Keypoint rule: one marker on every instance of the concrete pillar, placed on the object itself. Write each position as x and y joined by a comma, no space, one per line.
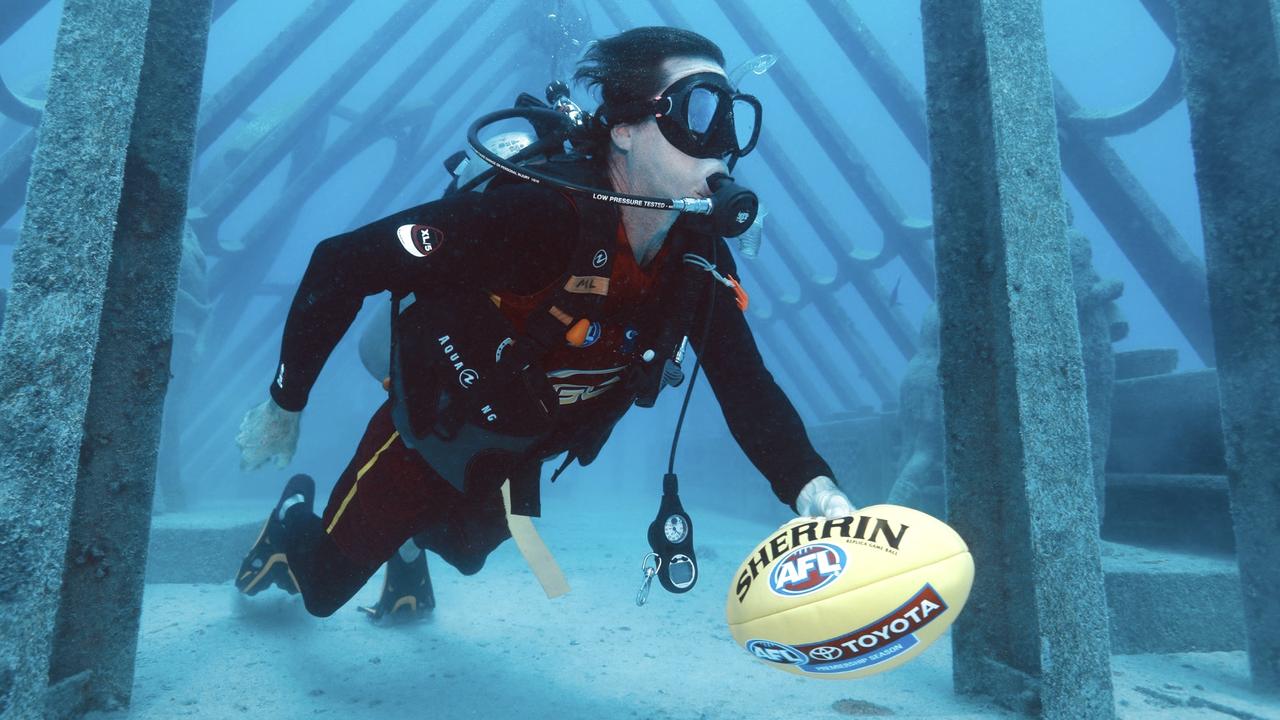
85,349
1231,68
1035,631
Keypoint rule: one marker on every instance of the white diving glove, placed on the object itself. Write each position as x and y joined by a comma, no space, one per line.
821,497
268,433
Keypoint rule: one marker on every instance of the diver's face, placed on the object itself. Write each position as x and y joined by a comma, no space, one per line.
654,166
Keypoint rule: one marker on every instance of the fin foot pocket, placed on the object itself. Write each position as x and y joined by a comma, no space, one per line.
407,594
265,564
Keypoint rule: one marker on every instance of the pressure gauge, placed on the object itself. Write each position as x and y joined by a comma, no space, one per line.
675,528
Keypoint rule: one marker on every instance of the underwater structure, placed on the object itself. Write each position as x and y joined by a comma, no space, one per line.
1015,420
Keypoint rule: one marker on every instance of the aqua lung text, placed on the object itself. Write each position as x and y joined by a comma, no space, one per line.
466,376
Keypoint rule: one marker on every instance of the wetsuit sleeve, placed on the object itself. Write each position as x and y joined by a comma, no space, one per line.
514,238
760,416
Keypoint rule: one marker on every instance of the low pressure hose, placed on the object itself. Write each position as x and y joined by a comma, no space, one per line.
732,207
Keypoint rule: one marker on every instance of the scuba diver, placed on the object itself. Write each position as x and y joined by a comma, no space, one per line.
526,319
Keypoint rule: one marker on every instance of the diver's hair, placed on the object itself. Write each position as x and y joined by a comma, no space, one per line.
628,67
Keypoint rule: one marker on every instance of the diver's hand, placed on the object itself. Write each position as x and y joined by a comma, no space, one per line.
820,497
268,432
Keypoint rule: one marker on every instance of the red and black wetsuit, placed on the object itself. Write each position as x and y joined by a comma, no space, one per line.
512,242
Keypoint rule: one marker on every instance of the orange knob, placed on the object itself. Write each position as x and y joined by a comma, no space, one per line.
577,335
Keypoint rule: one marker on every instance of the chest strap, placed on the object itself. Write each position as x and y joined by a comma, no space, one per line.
567,314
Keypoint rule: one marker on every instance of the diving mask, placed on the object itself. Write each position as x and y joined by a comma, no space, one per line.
701,115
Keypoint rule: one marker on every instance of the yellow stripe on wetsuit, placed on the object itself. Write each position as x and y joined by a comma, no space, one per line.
352,492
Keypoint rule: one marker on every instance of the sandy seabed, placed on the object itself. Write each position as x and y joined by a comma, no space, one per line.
496,647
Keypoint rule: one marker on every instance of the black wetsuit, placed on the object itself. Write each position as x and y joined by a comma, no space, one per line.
512,242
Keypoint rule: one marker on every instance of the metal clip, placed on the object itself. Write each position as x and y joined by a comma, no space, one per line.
642,595
705,264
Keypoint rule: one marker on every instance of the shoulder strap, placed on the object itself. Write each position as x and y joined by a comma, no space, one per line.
579,295
684,287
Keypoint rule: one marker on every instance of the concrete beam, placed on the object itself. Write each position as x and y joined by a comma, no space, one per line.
1018,468
1231,65
85,348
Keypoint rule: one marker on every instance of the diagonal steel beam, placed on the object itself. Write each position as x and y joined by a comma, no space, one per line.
237,278
845,332
826,129
16,14
1144,233
220,7
204,428
1166,19
770,328
830,372
243,264
826,228
874,65
220,110
15,169
859,273
448,134
19,109
821,294
241,181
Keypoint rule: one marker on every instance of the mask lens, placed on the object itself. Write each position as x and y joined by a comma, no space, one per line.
702,110
745,122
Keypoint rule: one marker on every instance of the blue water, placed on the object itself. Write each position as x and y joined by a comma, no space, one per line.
1108,54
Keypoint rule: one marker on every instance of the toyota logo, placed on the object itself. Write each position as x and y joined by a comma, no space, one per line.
826,652
468,377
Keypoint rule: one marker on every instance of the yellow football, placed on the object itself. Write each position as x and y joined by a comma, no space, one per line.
849,597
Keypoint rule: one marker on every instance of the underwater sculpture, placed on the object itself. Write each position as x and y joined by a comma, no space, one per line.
1100,325
920,481
190,313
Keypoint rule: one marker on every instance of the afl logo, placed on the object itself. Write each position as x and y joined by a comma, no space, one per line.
600,259
775,652
467,377
419,240
806,569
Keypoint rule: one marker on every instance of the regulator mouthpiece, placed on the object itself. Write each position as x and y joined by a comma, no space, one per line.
733,207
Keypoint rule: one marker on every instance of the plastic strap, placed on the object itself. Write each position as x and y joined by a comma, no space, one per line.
535,552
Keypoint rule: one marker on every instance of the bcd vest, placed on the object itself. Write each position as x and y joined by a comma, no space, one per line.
468,391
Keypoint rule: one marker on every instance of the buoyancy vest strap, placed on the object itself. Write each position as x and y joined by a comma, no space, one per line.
568,458
682,291
535,552
582,289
